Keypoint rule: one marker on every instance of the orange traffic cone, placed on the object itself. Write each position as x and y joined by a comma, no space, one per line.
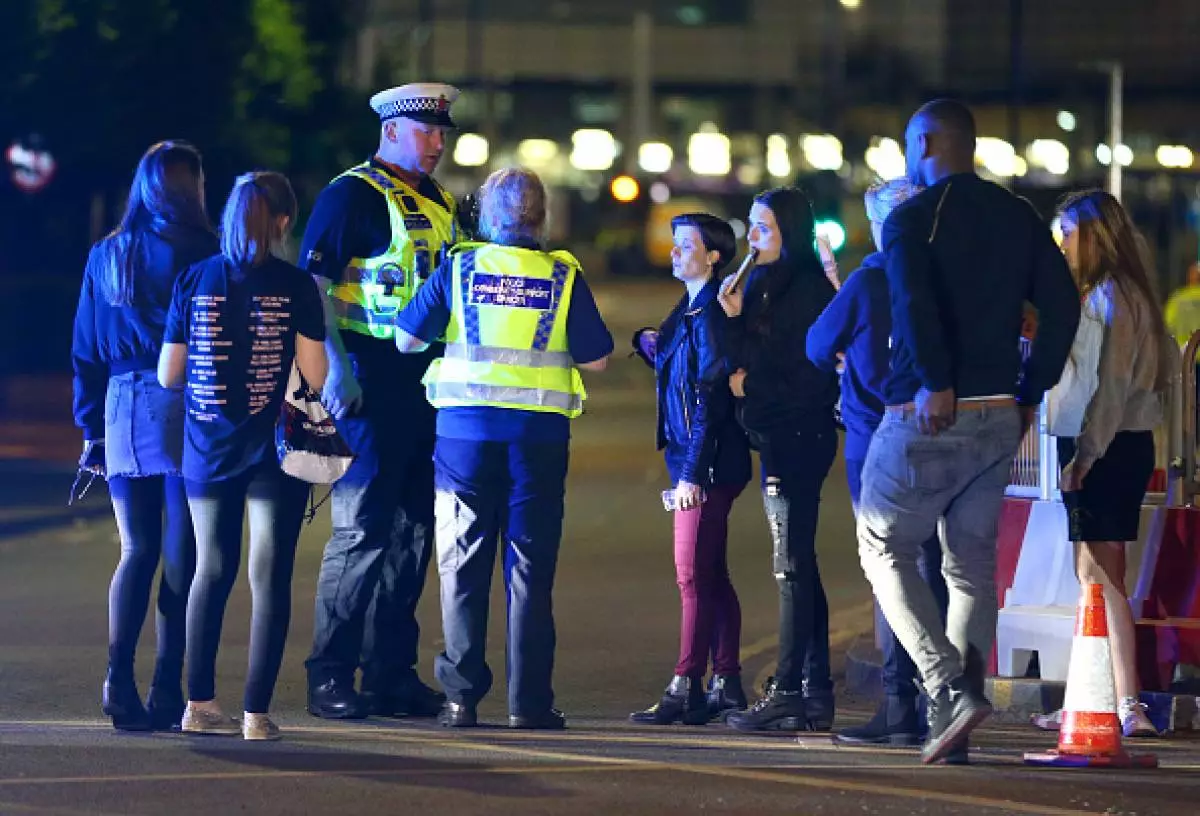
1090,736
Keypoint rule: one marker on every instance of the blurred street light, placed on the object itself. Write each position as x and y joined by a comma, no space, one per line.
625,189
885,158
708,151
999,157
1174,156
1066,120
1051,155
471,150
655,157
822,151
593,149
537,152
779,164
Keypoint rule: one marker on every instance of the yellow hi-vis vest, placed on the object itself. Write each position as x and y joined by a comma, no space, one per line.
506,343
372,290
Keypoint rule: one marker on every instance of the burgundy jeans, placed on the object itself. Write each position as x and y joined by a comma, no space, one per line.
712,616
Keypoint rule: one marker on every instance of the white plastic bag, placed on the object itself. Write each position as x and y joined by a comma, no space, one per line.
309,445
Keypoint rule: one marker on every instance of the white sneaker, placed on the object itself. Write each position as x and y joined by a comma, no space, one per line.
1134,722
1048,722
203,721
258,727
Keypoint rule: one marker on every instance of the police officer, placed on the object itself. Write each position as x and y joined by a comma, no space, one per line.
376,233
519,323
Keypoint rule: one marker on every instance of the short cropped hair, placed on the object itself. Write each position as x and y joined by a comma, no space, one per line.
884,196
715,232
512,206
951,118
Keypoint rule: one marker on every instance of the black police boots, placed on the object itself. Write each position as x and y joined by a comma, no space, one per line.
683,701
408,697
335,700
725,694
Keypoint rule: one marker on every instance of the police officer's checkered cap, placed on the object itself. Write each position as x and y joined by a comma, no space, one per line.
426,100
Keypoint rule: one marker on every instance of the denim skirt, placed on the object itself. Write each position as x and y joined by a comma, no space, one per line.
143,426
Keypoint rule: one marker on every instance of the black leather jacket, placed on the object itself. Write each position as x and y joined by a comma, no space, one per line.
696,426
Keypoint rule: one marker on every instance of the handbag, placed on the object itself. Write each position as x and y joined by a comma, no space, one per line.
308,443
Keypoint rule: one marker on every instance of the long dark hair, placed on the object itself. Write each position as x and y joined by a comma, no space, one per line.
797,227
166,188
250,223
1109,246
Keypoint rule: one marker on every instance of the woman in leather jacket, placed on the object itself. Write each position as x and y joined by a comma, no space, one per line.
708,460
786,405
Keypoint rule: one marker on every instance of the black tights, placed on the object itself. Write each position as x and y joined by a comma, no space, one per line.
276,505
139,504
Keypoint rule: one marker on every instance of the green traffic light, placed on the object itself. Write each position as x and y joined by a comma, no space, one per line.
833,232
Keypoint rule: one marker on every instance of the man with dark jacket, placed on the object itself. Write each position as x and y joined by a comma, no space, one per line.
962,258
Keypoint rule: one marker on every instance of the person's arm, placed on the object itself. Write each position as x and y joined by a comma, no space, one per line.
172,359
1054,294
172,365
915,319
312,358
334,236
427,315
588,339
713,402
835,329
787,372
90,380
1118,352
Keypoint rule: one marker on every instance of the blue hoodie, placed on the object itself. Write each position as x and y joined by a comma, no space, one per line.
857,323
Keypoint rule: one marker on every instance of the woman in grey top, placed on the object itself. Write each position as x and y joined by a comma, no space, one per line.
1126,364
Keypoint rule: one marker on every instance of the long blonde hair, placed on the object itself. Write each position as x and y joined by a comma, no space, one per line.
1110,247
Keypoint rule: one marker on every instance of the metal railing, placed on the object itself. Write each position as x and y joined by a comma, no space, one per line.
1035,468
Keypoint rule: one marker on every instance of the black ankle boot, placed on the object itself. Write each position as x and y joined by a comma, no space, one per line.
776,710
121,702
818,710
725,694
165,706
683,701
896,722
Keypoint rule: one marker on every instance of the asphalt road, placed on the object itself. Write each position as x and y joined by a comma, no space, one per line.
617,615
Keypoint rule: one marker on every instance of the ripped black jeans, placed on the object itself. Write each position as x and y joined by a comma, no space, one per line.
795,463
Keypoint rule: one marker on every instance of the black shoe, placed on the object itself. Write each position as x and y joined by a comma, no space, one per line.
818,710
776,710
953,714
408,698
958,755
552,720
725,694
457,715
896,722
683,701
120,701
165,707
335,700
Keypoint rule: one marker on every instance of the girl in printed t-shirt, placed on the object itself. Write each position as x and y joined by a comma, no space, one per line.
236,323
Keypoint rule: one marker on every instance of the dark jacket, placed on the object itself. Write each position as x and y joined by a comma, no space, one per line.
110,340
962,258
784,390
696,426
857,323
